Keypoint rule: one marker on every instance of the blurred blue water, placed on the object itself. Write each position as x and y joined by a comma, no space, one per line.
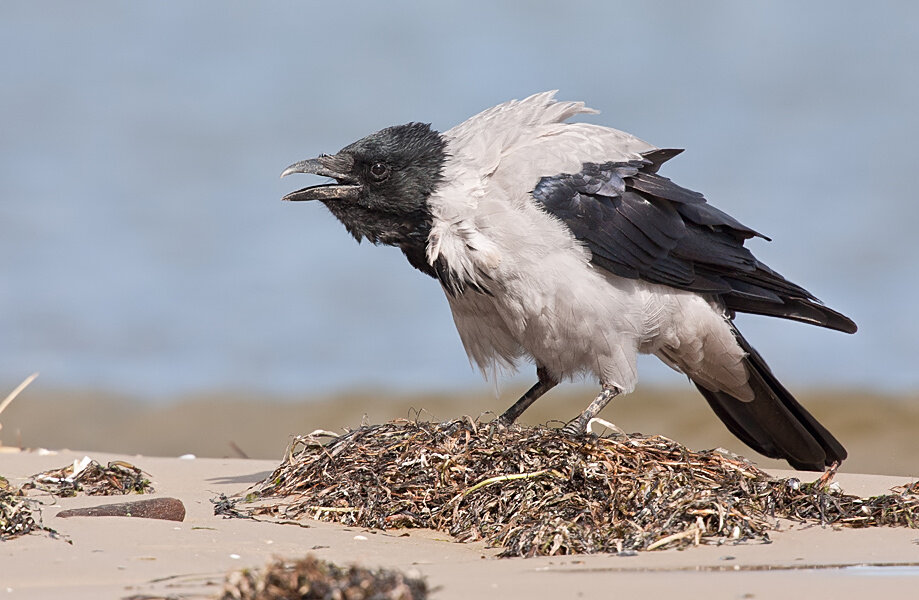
144,249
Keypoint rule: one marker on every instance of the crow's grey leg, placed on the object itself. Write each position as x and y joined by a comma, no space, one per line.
579,425
546,382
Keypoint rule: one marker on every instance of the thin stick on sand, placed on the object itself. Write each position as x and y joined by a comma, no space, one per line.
12,395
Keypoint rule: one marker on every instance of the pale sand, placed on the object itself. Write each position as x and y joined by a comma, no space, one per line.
115,557
879,431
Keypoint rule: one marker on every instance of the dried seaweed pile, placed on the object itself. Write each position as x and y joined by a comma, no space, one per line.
17,513
539,492
90,477
310,578
16,516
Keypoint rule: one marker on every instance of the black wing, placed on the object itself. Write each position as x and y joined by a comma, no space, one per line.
640,225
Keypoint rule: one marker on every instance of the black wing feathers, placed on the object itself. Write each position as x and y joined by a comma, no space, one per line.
640,225
658,157
661,187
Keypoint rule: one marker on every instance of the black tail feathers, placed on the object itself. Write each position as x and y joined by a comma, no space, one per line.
774,423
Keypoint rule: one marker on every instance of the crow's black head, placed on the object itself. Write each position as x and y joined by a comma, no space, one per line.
382,183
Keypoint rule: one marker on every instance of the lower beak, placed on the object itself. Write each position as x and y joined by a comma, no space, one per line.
327,166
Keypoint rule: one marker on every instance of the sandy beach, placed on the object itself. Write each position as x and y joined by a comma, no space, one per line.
878,430
118,557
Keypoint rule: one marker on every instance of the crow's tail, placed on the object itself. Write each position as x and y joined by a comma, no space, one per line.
774,423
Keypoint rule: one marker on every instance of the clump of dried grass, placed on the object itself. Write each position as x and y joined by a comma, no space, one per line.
310,578
93,479
536,491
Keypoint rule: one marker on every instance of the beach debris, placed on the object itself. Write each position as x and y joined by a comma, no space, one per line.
310,578
90,477
537,491
19,515
166,509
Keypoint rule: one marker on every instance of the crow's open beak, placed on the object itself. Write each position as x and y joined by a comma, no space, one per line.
336,167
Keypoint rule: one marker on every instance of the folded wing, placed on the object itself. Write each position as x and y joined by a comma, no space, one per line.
640,225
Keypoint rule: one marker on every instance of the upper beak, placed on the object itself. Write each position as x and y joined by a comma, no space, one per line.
336,167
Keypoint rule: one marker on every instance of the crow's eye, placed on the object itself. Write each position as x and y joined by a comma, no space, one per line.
379,171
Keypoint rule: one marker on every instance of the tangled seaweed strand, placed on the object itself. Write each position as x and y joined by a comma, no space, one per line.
536,491
18,513
310,578
16,516
116,478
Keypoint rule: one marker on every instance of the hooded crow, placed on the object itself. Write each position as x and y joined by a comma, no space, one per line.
560,243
